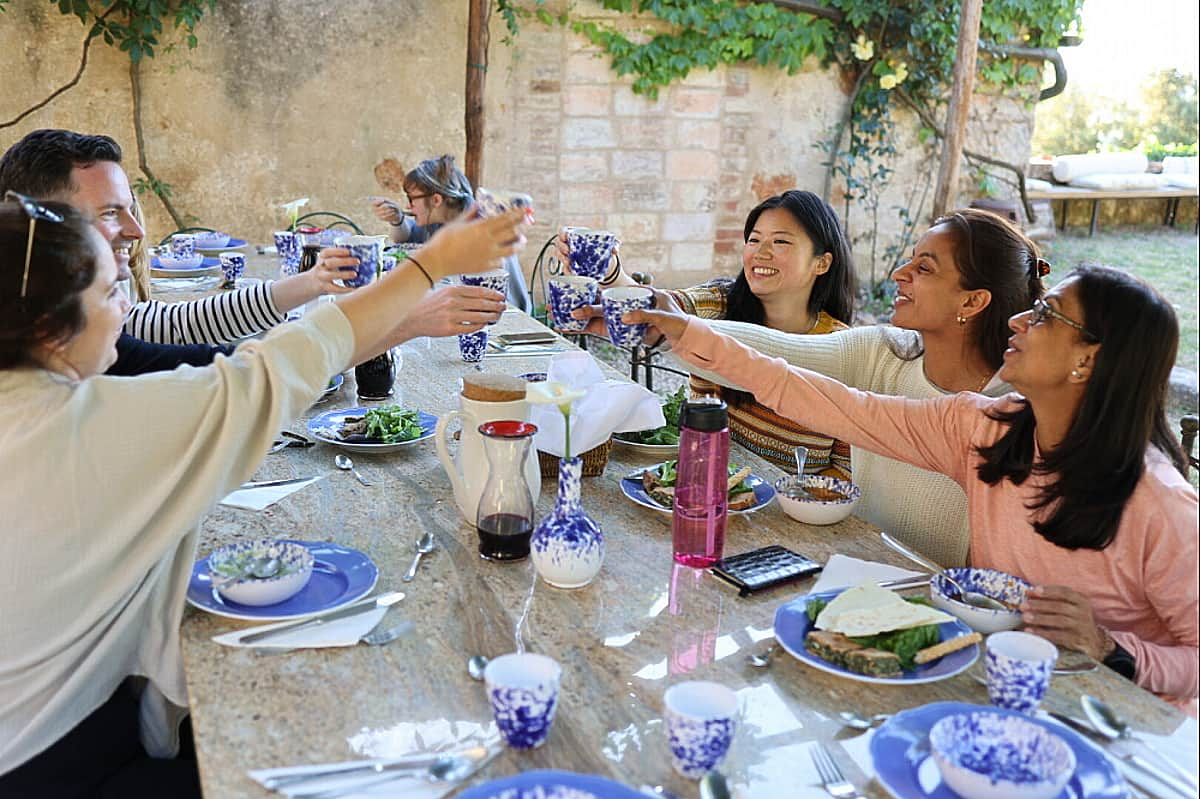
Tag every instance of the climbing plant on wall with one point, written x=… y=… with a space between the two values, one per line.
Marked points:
x=137 y=28
x=898 y=52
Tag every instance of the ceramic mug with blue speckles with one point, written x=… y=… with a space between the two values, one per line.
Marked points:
x=369 y=252
x=523 y=692
x=471 y=346
x=287 y=244
x=619 y=301
x=233 y=266
x=182 y=246
x=590 y=251
x=1018 y=669
x=568 y=293
x=701 y=720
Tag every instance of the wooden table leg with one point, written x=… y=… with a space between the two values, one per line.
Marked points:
x=1066 y=208
x=1172 y=209
x=1095 y=217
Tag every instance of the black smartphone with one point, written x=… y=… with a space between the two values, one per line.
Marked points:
x=764 y=568
x=513 y=339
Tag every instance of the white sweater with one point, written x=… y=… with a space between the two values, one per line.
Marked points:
x=220 y=319
x=924 y=509
x=105 y=481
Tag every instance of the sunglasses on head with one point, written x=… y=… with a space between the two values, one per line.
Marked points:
x=34 y=211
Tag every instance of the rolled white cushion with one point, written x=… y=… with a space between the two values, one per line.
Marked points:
x=1036 y=184
x=1120 y=182
x=1181 y=165
x=1069 y=167
x=1182 y=181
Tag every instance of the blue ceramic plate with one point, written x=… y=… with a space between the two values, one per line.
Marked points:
x=792 y=625
x=206 y=265
x=335 y=383
x=552 y=785
x=340 y=576
x=631 y=486
x=234 y=244
x=900 y=754
x=321 y=428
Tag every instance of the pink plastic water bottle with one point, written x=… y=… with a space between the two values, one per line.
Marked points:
x=701 y=493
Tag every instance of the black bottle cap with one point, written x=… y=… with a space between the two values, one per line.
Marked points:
x=705 y=414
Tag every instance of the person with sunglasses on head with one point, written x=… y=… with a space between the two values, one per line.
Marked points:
x=101 y=544
x=437 y=191
x=1075 y=483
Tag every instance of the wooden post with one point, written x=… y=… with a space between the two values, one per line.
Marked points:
x=477 y=59
x=960 y=105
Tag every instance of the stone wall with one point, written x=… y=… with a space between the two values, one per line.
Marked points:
x=305 y=98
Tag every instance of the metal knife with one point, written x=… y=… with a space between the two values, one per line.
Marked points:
x=269 y=483
x=1127 y=757
x=381 y=601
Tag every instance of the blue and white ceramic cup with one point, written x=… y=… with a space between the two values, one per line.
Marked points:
x=620 y=301
x=472 y=346
x=590 y=250
x=568 y=293
x=494 y=279
x=701 y=720
x=1018 y=669
x=287 y=244
x=233 y=266
x=369 y=252
x=182 y=246
x=523 y=692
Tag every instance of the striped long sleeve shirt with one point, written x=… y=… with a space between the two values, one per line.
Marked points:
x=220 y=319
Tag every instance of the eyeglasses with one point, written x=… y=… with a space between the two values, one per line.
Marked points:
x=35 y=212
x=412 y=197
x=1042 y=309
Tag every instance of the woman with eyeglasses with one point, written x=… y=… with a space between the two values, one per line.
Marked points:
x=103 y=491
x=1075 y=483
x=438 y=192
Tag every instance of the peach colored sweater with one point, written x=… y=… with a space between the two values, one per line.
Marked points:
x=1143 y=586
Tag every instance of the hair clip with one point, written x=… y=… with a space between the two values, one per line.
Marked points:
x=1042 y=266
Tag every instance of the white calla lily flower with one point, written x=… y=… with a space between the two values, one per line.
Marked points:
x=551 y=392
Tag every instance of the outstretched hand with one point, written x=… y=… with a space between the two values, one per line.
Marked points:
x=451 y=310
x=667 y=320
x=1064 y=617
x=333 y=263
x=474 y=245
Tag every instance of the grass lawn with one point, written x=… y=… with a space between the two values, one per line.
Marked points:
x=1165 y=258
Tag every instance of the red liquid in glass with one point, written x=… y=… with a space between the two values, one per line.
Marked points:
x=504 y=536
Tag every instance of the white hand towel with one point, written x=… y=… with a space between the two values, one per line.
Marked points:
x=609 y=406
x=262 y=498
x=341 y=632
x=843 y=571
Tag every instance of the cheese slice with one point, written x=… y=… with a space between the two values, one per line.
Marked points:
x=868 y=609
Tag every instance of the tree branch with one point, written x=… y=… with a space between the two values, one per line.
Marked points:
x=135 y=82
x=83 y=59
x=836 y=141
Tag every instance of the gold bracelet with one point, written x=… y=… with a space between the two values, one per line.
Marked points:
x=423 y=272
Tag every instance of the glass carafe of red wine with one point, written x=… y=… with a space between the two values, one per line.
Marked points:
x=505 y=516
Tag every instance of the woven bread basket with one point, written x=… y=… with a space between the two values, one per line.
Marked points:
x=594 y=460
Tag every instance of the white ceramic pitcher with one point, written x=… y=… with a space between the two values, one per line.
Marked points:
x=468 y=471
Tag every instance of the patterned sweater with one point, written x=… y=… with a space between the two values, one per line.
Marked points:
x=752 y=424
x=220 y=319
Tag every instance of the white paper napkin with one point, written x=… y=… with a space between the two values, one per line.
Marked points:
x=341 y=632
x=262 y=498
x=610 y=406
x=843 y=571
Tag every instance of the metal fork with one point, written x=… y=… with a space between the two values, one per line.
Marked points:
x=835 y=783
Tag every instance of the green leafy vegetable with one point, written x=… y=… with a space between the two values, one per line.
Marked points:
x=668 y=433
x=392 y=424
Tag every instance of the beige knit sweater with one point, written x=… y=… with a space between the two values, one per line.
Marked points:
x=926 y=510
x=105 y=481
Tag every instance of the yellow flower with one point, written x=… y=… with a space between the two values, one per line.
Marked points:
x=863 y=48
x=888 y=82
x=901 y=72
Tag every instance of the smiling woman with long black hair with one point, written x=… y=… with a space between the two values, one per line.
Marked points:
x=1074 y=483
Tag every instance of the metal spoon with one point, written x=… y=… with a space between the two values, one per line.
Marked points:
x=857 y=722
x=475 y=666
x=801 y=459
x=1109 y=724
x=970 y=597
x=714 y=786
x=346 y=465
x=260 y=568
x=425 y=545
x=761 y=659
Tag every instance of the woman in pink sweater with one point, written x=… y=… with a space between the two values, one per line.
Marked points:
x=1075 y=483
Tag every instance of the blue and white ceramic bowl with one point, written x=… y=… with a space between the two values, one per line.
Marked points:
x=620 y=301
x=211 y=240
x=590 y=251
x=811 y=509
x=168 y=260
x=989 y=582
x=1018 y=666
x=701 y=719
x=991 y=756
x=568 y=293
x=472 y=345
x=523 y=692
x=287 y=244
x=293 y=572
